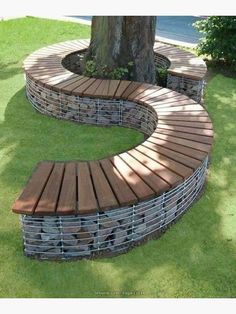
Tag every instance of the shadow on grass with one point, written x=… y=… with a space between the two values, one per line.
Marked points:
x=195 y=258
x=9 y=69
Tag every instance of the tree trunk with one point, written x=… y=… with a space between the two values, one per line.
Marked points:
x=118 y=40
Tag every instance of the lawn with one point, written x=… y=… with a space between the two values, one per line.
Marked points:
x=195 y=258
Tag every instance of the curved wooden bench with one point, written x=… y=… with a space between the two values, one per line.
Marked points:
x=162 y=170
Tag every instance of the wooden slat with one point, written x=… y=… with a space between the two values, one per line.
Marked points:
x=105 y=196
x=188 y=143
x=173 y=103
x=186 y=129
x=80 y=89
x=159 y=169
x=67 y=203
x=121 y=189
x=121 y=88
x=181 y=158
x=69 y=88
x=192 y=122
x=140 y=90
x=131 y=88
x=102 y=89
x=147 y=92
x=148 y=99
x=112 y=88
x=74 y=78
x=169 y=163
x=180 y=108
x=187 y=113
x=90 y=91
x=166 y=142
x=155 y=182
x=29 y=197
x=137 y=185
x=48 y=200
x=185 y=118
x=188 y=136
x=86 y=196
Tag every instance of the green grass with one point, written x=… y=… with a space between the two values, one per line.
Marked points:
x=195 y=258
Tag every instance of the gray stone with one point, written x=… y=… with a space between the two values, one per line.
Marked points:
x=90 y=226
x=150 y=214
x=69 y=240
x=70 y=229
x=50 y=229
x=170 y=214
x=140 y=229
x=84 y=237
x=106 y=222
x=120 y=236
x=47 y=237
x=32 y=229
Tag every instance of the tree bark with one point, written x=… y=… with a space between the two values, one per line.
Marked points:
x=118 y=40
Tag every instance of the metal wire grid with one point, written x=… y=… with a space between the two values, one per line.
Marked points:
x=192 y=88
x=91 y=110
x=113 y=231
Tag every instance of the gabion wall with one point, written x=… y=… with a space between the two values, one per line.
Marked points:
x=110 y=232
x=181 y=84
x=190 y=87
x=90 y=110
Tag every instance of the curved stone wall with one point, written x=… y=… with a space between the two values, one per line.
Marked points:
x=90 y=110
x=110 y=232
x=113 y=231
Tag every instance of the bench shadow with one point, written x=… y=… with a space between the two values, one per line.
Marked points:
x=193 y=259
x=9 y=70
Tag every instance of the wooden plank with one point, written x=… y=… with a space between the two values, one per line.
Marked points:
x=112 y=88
x=180 y=108
x=173 y=103
x=86 y=196
x=188 y=136
x=155 y=95
x=67 y=203
x=191 y=124
x=102 y=89
x=137 y=185
x=90 y=91
x=188 y=143
x=131 y=88
x=163 y=141
x=169 y=163
x=105 y=195
x=196 y=113
x=165 y=98
x=73 y=79
x=69 y=88
x=81 y=88
x=159 y=169
x=192 y=130
x=154 y=181
x=140 y=90
x=121 y=88
x=181 y=158
x=147 y=92
x=28 y=200
x=185 y=118
x=48 y=200
x=123 y=192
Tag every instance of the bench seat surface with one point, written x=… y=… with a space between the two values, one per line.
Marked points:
x=178 y=146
